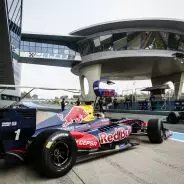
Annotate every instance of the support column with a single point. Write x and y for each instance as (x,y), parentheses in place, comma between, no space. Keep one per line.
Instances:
(177,80)
(6,68)
(91,73)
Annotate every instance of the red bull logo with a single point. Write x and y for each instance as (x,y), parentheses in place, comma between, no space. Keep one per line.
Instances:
(76,114)
(117,135)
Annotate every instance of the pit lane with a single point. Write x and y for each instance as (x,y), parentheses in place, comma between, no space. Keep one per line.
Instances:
(145,164)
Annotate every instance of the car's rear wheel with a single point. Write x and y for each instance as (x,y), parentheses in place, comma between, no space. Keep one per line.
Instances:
(54,152)
(173,117)
(155,131)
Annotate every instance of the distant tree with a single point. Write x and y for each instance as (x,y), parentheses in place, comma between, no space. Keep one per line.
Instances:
(35,96)
(64,96)
(56,98)
(24,93)
(76,96)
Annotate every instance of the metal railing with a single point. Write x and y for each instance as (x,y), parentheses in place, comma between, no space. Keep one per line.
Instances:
(135,99)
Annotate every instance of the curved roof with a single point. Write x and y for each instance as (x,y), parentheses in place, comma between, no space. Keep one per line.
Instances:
(50,38)
(156,23)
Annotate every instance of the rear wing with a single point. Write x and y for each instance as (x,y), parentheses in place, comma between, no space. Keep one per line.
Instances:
(17,124)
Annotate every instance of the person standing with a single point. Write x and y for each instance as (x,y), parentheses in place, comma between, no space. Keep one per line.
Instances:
(115,103)
(78,102)
(152,98)
(100,103)
(63,104)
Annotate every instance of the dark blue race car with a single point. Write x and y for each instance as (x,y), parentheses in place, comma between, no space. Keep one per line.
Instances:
(54,145)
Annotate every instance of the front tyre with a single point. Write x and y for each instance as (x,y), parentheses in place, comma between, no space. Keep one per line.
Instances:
(155,131)
(55,152)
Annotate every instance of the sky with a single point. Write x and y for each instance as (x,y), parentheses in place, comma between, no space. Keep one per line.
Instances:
(60,17)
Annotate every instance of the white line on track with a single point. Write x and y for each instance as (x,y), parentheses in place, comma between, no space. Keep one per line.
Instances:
(176,140)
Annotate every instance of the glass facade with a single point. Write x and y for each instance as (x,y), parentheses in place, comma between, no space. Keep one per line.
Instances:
(46,51)
(14,9)
(132,41)
(14,16)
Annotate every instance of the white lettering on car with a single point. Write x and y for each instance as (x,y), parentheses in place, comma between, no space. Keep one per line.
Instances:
(117,135)
(9,123)
(86,143)
(60,135)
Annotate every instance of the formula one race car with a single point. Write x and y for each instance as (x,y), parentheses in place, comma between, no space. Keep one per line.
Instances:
(54,145)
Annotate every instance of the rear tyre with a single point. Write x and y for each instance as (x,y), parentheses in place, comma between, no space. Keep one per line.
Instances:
(173,118)
(155,131)
(54,153)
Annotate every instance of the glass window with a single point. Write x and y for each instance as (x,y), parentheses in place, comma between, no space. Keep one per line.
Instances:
(32,44)
(49,50)
(22,48)
(50,45)
(61,46)
(158,41)
(18,22)
(12,33)
(120,41)
(44,44)
(96,42)
(164,36)
(181,44)
(13,8)
(9,2)
(3,97)
(145,40)
(173,41)
(26,43)
(60,51)
(106,42)
(26,48)
(38,49)
(38,44)
(44,50)
(55,46)
(17,12)
(152,40)
(17,18)
(55,51)
(133,40)
(32,49)
(66,51)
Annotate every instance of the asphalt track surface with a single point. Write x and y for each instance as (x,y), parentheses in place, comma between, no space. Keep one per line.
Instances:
(145,164)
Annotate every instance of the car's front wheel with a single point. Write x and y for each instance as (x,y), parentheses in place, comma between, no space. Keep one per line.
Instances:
(54,152)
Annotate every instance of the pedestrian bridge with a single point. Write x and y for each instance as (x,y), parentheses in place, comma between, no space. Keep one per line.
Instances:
(50,50)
